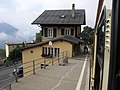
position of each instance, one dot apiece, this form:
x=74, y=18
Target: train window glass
x=101, y=38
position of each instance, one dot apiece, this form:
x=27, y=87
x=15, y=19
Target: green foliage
x=38, y=38
x=100, y=36
x=2, y=53
x=15, y=55
x=89, y=34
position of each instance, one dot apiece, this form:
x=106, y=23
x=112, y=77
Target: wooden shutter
x=58, y=52
x=62, y=31
x=54, y=32
x=49, y=51
x=46, y=32
x=72, y=31
x=52, y=51
x=45, y=51
x=41, y=32
x=55, y=51
x=42, y=50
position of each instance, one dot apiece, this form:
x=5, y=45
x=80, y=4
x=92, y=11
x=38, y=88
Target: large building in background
x=10, y=46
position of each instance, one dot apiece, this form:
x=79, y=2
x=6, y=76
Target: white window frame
x=45, y=50
x=50, y=32
x=67, y=31
x=56, y=52
x=48, y=50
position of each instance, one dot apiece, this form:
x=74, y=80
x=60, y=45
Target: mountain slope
x=7, y=33
x=8, y=29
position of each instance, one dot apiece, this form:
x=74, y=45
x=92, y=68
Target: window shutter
x=58, y=51
x=48, y=51
x=62, y=31
x=42, y=50
x=52, y=50
x=41, y=32
x=46, y=32
x=54, y=32
x=55, y=51
x=45, y=51
x=72, y=31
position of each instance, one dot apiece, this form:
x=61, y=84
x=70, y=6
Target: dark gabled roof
x=70, y=39
x=61, y=17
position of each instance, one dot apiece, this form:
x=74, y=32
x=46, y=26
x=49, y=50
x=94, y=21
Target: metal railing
x=28, y=68
x=32, y=66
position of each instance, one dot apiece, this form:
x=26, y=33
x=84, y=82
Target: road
x=6, y=76
x=73, y=76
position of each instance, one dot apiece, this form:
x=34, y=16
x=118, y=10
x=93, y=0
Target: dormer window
x=62, y=16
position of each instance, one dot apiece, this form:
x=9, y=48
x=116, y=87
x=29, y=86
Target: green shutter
x=41, y=32
x=54, y=32
x=42, y=50
x=52, y=51
x=62, y=31
x=46, y=32
x=72, y=31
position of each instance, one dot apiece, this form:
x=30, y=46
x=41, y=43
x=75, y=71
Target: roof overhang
x=64, y=38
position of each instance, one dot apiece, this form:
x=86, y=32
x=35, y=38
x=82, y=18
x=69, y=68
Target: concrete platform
x=56, y=77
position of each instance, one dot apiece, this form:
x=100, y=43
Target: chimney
x=73, y=10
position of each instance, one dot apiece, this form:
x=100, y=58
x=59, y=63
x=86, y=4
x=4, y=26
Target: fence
x=33, y=66
x=16, y=72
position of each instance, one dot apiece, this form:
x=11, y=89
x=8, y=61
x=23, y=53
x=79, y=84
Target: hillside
x=7, y=33
x=8, y=29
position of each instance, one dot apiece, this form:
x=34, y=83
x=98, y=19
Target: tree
x=88, y=34
x=2, y=53
x=15, y=55
x=38, y=38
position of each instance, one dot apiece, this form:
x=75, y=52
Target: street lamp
x=50, y=44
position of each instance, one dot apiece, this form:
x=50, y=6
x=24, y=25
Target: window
x=46, y=51
x=56, y=52
x=67, y=31
x=50, y=32
x=50, y=51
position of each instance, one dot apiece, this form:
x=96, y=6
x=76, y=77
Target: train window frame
x=100, y=57
x=102, y=27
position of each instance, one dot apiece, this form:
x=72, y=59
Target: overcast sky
x=21, y=13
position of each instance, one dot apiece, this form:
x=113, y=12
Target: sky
x=21, y=13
